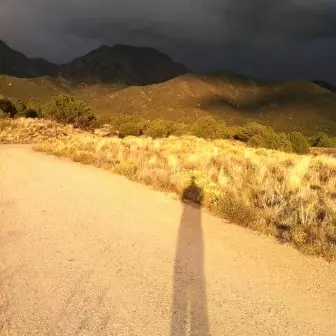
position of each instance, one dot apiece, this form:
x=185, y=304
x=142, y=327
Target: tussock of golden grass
x=292, y=197
x=27, y=131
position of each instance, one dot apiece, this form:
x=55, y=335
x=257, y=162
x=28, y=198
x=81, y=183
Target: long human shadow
x=189, y=309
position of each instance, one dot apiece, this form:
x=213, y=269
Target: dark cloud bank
x=264, y=38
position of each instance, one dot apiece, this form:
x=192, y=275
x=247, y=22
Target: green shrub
x=159, y=129
x=130, y=128
x=35, y=106
x=322, y=140
x=250, y=130
x=143, y=125
x=285, y=143
x=206, y=128
x=68, y=110
x=17, y=108
x=333, y=142
x=97, y=123
x=271, y=140
x=31, y=113
x=180, y=129
x=20, y=107
x=233, y=132
x=299, y=142
x=223, y=132
x=7, y=107
x=100, y=121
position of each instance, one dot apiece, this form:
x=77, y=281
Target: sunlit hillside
x=300, y=105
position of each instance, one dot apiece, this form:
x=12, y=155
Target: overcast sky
x=274, y=39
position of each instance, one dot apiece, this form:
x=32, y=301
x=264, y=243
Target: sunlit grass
x=27, y=131
x=289, y=196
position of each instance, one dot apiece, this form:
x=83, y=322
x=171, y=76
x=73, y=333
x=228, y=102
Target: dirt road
x=85, y=252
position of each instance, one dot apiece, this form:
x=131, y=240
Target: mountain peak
x=125, y=64
x=118, y=49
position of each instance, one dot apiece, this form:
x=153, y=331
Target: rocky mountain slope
x=123, y=64
x=16, y=64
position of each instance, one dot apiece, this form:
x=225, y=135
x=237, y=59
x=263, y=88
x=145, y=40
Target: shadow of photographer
x=189, y=310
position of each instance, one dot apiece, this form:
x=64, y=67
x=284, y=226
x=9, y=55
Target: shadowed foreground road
x=85, y=252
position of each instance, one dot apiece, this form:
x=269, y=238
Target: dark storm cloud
x=260, y=37
x=292, y=19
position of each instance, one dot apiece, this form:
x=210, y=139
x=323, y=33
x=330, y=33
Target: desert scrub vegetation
x=13, y=108
x=66, y=109
x=254, y=134
x=7, y=107
x=292, y=197
x=29, y=131
x=322, y=140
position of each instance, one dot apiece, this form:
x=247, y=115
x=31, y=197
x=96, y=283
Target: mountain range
x=142, y=81
x=120, y=64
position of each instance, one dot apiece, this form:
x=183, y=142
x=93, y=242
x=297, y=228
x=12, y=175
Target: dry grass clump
x=289, y=196
x=27, y=131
